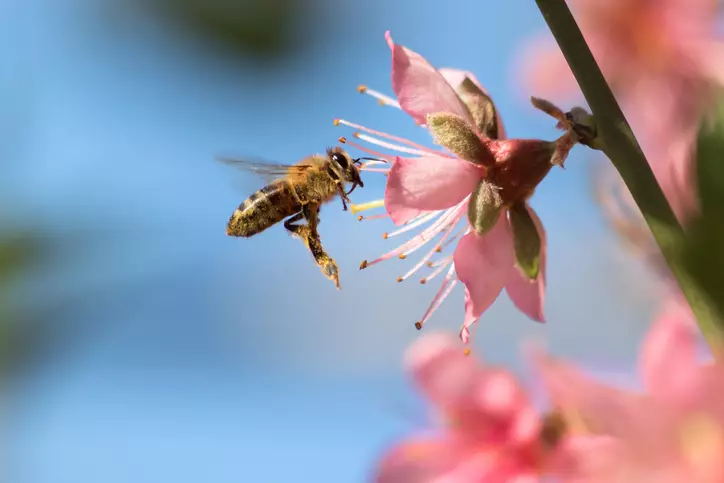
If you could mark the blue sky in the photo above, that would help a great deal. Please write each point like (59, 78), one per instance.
(198, 356)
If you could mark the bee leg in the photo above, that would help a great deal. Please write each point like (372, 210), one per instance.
(293, 229)
(343, 195)
(314, 243)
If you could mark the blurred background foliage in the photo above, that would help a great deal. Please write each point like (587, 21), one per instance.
(268, 30)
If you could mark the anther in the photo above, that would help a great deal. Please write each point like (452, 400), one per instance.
(400, 279)
(360, 218)
(363, 265)
(467, 352)
(336, 122)
(423, 281)
(342, 139)
(430, 264)
(438, 249)
(381, 102)
(356, 134)
(361, 88)
(418, 325)
(385, 235)
(402, 256)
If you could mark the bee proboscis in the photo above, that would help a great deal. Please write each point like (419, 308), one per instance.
(296, 192)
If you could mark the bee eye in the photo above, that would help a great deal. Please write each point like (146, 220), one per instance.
(340, 159)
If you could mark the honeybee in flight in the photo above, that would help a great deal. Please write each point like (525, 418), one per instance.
(297, 192)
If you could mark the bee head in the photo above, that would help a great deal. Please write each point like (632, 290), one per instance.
(349, 168)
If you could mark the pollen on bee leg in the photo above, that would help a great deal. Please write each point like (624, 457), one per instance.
(357, 207)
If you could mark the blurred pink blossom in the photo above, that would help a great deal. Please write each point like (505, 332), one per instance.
(491, 432)
(662, 59)
(672, 432)
(435, 184)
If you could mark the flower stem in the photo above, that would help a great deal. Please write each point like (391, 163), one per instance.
(621, 147)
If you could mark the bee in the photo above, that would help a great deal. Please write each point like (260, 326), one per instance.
(295, 193)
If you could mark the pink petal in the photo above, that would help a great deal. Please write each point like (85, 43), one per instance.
(418, 460)
(420, 88)
(428, 183)
(455, 77)
(544, 72)
(443, 372)
(599, 408)
(527, 295)
(668, 362)
(483, 264)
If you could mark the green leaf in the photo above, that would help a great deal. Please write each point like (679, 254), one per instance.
(454, 133)
(526, 241)
(704, 248)
(484, 207)
(481, 107)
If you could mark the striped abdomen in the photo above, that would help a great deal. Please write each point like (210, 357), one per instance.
(265, 208)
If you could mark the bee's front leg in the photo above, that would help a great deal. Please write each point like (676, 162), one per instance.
(343, 195)
(314, 243)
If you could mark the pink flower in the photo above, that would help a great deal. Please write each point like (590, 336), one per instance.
(476, 190)
(673, 432)
(491, 432)
(662, 59)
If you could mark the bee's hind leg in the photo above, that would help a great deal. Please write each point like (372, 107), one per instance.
(310, 236)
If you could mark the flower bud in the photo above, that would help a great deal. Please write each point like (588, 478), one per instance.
(526, 240)
(484, 207)
(454, 133)
(481, 107)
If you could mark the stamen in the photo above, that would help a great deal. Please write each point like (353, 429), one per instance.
(429, 254)
(447, 285)
(357, 207)
(377, 154)
(393, 147)
(441, 265)
(383, 99)
(375, 170)
(390, 137)
(421, 220)
(411, 245)
(373, 217)
(439, 225)
(374, 163)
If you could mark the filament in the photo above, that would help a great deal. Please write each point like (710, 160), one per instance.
(387, 136)
(391, 146)
(370, 205)
(381, 98)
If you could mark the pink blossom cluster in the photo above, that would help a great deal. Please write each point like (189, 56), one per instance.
(470, 195)
(670, 432)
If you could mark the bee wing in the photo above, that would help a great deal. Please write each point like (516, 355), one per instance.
(268, 170)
